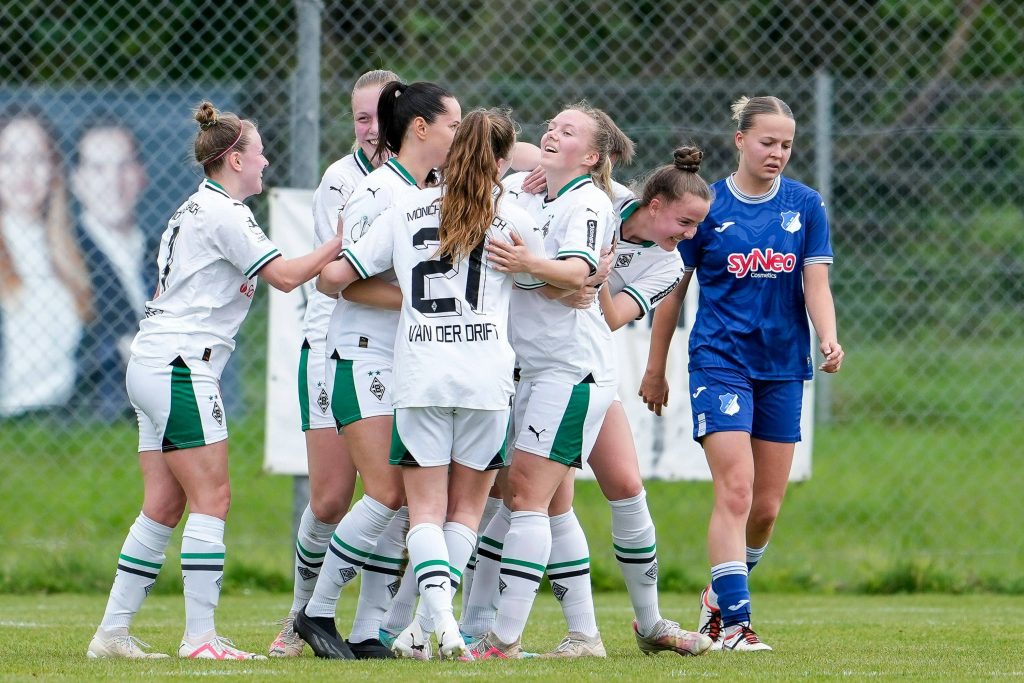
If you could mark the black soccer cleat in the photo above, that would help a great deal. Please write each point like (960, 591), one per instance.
(371, 649)
(322, 636)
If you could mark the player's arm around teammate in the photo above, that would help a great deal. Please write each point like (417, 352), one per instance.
(210, 255)
(331, 472)
(761, 258)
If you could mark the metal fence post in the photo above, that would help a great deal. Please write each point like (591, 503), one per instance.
(823, 183)
(305, 145)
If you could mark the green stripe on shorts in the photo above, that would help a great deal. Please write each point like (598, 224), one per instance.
(303, 385)
(399, 455)
(344, 404)
(567, 448)
(184, 426)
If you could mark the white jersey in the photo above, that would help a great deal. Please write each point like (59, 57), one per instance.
(643, 270)
(452, 347)
(207, 264)
(549, 337)
(359, 332)
(329, 200)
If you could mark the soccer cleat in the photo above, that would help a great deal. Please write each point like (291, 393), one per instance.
(322, 636)
(667, 636)
(371, 648)
(450, 644)
(212, 646)
(119, 645)
(709, 623)
(288, 643)
(741, 638)
(489, 647)
(387, 638)
(575, 645)
(412, 643)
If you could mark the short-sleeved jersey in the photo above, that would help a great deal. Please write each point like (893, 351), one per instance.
(452, 347)
(643, 270)
(207, 264)
(749, 254)
(359, 332)
(550, 338)
(329, 200)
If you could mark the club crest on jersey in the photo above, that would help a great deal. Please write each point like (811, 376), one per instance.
(360, 228)
(730, 403)
(217, 413)
(323, 400)
(623, 260)
(377, 389)
(791, 221)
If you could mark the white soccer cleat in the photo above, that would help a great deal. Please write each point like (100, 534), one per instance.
(288, 643)
(668, 636)
(709, 623)
(741, 638)
(575, 645)
(119, 645)
(412, 643)
(212, 646)
(450, 644)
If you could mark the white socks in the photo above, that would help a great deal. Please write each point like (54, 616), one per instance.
(490, 509)
(568, 571)
(310, 548)
(637, 556)
(202, 570)
(482, 602)
(141, 558)
(382, 575)
(525, 556)
(350, 547)
(428, 556)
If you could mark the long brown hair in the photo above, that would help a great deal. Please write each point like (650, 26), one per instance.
(470, 177)
(65, 257)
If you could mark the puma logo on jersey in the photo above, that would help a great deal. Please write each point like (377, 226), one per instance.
(723, 226)
(336, 189)
(373, 191)
(514, 193)
(591, 211)
(543, 229)
(535, 432)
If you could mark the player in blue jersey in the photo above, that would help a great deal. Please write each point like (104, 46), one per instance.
(761, 259)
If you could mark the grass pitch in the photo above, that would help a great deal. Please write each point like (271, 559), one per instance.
(815, 637)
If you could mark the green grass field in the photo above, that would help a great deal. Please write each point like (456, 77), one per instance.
(815, 637)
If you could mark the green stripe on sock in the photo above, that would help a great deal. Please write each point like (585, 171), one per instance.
(307, 553)
(202, 556)
(572, 563)
(389, 560)
(346, 546)
(430, 563)
(523, 563)
(648, 549)
(491, 542)
(133, 560)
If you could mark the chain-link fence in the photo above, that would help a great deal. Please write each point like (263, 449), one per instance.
(909, 122)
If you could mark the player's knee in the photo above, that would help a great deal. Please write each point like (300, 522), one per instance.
(327, 509)
(735, 497)
(762, 516)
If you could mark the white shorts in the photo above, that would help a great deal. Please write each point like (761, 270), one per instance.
(431, 437)
(178, 407)
(560, 421)
(360, 389)
(314, 387)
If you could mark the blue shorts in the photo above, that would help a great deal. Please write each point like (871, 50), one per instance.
(723, 400)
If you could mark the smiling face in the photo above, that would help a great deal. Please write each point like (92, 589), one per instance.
(675, 221)
(765, 147)
(250, 164)
(569, 142)
(364, 116)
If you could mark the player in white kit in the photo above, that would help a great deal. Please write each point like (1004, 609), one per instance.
(331, 472)
(568, 372)
(453, 361)
(416, 123)
(209, 258)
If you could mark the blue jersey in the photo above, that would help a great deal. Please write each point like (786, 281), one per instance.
(749, 254)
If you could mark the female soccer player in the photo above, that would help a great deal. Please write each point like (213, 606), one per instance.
(565, 354)
(762, 259)
(416, 124)
(454, 317)
(331, 473)
(209, 257)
